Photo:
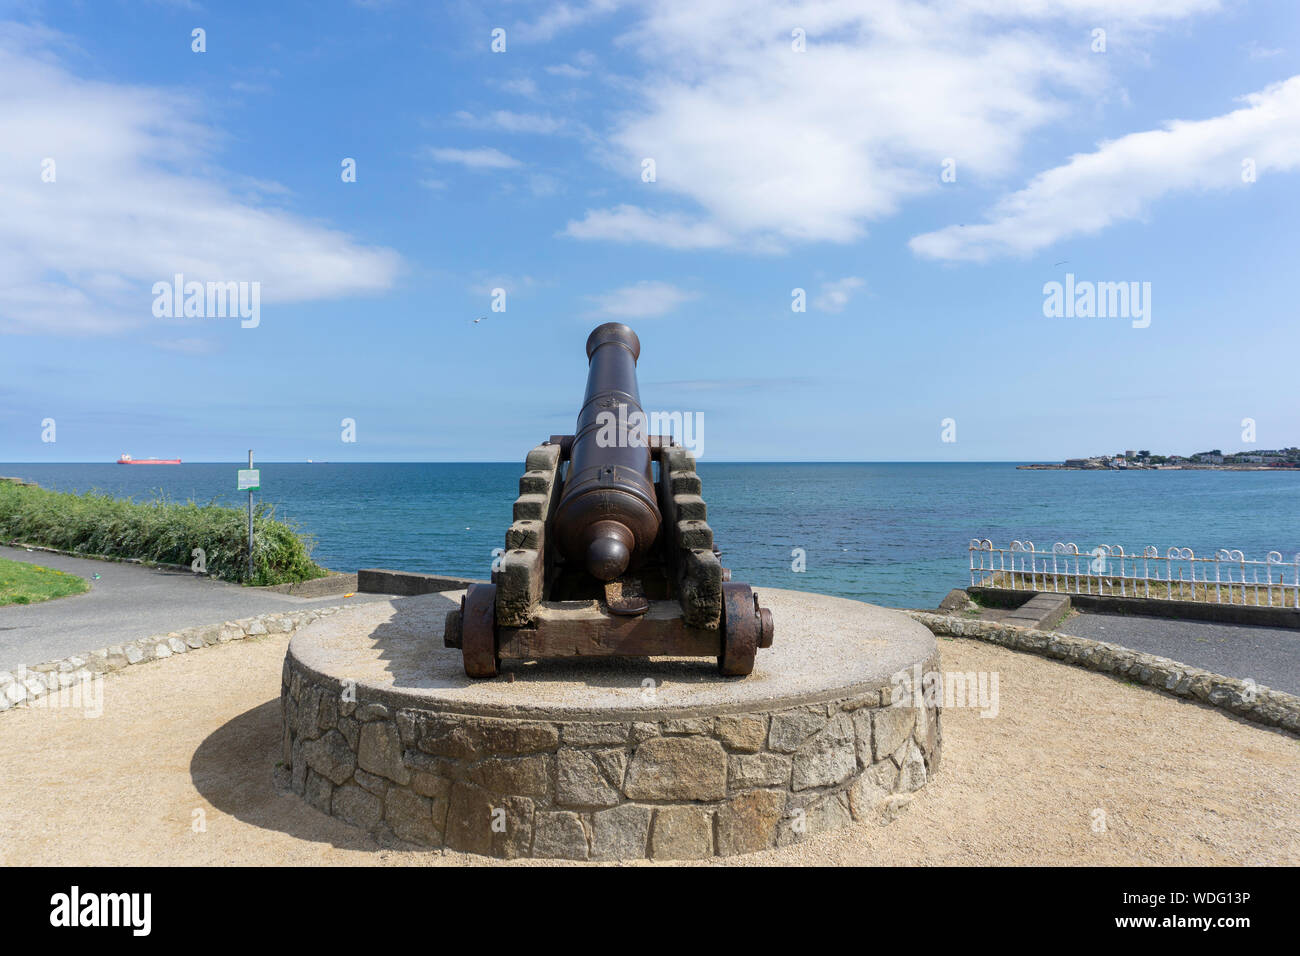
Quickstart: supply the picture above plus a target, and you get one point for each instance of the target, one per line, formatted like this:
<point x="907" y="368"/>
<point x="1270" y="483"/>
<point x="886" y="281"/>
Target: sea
<point x="893" y="533"/>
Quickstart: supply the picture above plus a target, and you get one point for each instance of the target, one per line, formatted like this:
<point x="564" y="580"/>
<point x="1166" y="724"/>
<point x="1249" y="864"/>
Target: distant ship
<point x="128" y="460"/>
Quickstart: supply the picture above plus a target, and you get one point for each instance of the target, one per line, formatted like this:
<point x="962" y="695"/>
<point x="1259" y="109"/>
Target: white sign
<point x="250" y="479"/>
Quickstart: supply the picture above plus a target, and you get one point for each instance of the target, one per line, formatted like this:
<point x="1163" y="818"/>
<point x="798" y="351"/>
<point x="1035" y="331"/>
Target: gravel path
<point x="1269" y="656"/>
<point x="128" y="601"/>
<point x="1177" y="783"/>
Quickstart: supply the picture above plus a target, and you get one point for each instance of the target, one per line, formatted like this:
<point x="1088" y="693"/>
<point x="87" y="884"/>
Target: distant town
<point x="1263" y="460"/>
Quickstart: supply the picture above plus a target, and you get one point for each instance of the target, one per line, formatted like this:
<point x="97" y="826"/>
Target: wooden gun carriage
<point x="602" y="557"/>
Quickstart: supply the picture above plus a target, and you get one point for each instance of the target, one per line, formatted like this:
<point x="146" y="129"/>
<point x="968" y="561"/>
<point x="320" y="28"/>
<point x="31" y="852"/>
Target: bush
<point x="160" y="531"/>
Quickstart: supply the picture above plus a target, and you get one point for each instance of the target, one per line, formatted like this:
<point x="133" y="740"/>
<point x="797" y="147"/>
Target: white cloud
<point x="135" y="201"/>
<point x="484" y="157"/>
<point x="188" y="346"/>
<point x="641" y="300"/>
<point x="834" y="296"/>
<point x="1122" y="177"/>
<point x="566" y="70"/>
<point x="633" y="224"/>
<point x="1257" y="52"/>
<point x="768" y="146"/>
<point x="520" y="86"/>
<point x="513" y="284"/>
<point x="542" y="185"/>
<point x="563" y="16"/>
<point x="511" y="122"/>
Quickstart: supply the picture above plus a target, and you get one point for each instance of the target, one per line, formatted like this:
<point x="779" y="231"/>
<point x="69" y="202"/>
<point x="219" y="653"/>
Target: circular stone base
<point x="614" y="758"/>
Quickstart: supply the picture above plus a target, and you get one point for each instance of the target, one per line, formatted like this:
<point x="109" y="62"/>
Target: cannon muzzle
<point x="608" y="517"/>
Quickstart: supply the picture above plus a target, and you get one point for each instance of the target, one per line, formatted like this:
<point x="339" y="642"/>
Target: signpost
<point x="250" y="480"/>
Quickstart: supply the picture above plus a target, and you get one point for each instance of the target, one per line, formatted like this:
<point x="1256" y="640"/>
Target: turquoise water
<point x="892" y="533"/>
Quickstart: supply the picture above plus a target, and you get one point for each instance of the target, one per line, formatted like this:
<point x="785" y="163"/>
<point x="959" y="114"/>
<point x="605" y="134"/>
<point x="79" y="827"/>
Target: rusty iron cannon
<point x="609" y="552"/>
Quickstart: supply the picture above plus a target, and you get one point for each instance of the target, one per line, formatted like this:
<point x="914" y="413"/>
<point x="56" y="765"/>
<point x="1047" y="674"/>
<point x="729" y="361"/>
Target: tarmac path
<point x="1269" y="656"/>
<point x="127" y="602"/>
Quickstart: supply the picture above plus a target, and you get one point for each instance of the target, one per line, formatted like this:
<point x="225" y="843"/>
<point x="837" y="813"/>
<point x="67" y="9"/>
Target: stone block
<point x="308" y="710"/>
<point x="519" y="586"/>
<point x="543" y="458"/>
<point x="790" y="728"/>
<point x="588" y="735"/>
<point x="461" y="738"/>
<point x="579" y="782"/>
<point x="891" y="726"/>
<point x="620" y="833"/>
<point x="868" y="795"/>
<point x="691" y="507"/>
<point x="823" y="814"/>
<point x="330" y="756"/>
<point x="911" y="774"/>
<point x="686" y="483"/>
<point x="526" y="776"/>
<point x="689" y="725"/>
<point x="682" y="833"/>
<point x="530" y="507"/>
<point x="826" y="758"/>
<point x="351" y="731"/>
<point x="478" y="822"/>
<point x="411" y="817"/>
<point x="372" y="711"/>
<point x="430" y="784"/>
<point x="381" y="751"/>
<point x="318" y="791"/>
<point x="327" y="717"/>
<point x="743" y="733"/>
<point x="678" y="768"/>
<point x="746" y="771"/>
<point x="748" y="822"/>
<point x="298" y="774"/>
<point x="642" y="731"/>
<point x="370" y="781"/>
<point x="359" y="807"/>
<point x="559" y="836"/>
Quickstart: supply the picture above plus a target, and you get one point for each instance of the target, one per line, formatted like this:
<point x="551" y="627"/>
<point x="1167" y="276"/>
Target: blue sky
<point x="775" y="169"/>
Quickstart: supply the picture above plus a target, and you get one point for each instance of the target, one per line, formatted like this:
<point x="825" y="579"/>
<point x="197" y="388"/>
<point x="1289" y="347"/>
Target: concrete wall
<point x="1151" y="607"/>
<point x="407" y="583"/>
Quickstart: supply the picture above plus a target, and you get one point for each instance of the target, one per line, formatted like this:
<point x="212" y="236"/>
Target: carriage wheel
<point x="478" y="631"/>
<point x="741" y="630"/>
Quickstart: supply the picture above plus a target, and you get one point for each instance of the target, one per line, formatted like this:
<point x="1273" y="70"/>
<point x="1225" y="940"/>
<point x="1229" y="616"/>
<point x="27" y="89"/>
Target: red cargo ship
<point x="128" y="460"/>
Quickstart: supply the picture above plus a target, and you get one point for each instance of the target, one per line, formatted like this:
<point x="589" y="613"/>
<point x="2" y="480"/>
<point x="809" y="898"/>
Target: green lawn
<point x="22" y="583"/>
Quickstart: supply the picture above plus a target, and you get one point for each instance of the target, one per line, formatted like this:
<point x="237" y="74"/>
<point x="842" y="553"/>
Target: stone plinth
<point x="614" y="758"/>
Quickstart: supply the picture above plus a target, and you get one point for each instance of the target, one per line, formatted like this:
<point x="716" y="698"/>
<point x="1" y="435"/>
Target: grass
<point x="22" y="583"/>
<point x="1251" y="595"/>
<point x="159" y="531"/>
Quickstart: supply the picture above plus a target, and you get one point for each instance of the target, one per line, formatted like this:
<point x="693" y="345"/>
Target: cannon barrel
<point x="608" y="517"/>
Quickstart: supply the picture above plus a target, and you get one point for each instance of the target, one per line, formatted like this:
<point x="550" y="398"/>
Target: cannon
<point x="609" y="552"/>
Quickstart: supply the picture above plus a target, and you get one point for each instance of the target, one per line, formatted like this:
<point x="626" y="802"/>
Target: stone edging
<point x="625" y="788"/>
<point x="1272" y="708"/>
<point x="26" y="684"/>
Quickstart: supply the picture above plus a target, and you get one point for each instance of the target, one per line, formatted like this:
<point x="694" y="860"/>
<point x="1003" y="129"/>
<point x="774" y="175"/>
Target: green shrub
<point x="161" y="531"/>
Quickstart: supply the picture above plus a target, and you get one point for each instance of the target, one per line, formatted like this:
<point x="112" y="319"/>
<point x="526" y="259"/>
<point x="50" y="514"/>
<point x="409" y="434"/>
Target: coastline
<point x="1048" y="467"/>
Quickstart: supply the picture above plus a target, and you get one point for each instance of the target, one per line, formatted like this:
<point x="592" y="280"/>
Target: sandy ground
<point x="1178" y="783"/>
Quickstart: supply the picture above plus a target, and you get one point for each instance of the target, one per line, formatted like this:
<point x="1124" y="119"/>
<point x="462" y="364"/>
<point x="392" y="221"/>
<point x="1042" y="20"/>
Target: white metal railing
<point x="1227" y="578"/>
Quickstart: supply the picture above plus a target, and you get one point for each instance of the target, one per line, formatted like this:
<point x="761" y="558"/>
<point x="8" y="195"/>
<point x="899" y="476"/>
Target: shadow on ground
<point x="235" y="770"/>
